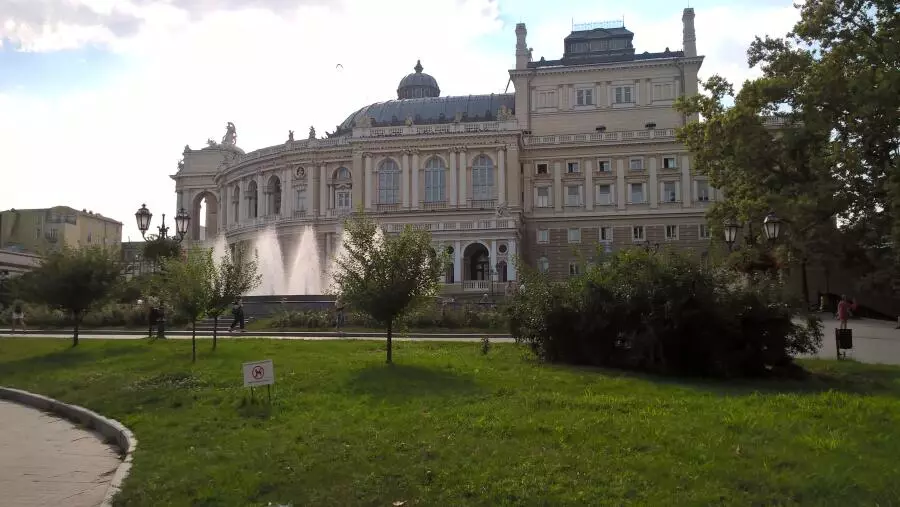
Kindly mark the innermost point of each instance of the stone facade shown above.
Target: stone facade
(43, 230)
(583, 155)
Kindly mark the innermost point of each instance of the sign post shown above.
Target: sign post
(259, 373)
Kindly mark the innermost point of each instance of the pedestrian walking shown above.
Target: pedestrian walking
(237, 312)
(18, 317)
(843, 311)
(339, 312)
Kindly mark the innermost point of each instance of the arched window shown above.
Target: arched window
(252, 200)
(236, 202)
(482, 178)
(342, 173)
(435, 180)
(543, 265)
(273, 196)
(388, 182)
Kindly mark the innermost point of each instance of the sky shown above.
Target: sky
(99, 97)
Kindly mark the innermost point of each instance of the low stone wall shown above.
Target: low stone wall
(111, 429)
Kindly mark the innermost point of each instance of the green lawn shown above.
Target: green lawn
(449, 426)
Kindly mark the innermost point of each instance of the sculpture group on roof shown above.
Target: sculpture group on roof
(230, 137)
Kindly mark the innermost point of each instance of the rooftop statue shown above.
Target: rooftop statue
(290, 135)
(230, 138)
(312, 132)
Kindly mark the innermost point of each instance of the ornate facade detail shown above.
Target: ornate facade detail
(504, 114)
(187, 149)
(409, 121)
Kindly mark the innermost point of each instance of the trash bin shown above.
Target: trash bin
(843, 339)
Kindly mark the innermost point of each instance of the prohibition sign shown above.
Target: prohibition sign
(258, 372)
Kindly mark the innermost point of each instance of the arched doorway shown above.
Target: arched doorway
(204, 217)
(273, 196)
(476, 262)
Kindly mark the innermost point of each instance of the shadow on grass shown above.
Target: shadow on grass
(64, 358)
(848, 377)
(401, 382)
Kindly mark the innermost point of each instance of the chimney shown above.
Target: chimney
(523, 55)
(690, 37)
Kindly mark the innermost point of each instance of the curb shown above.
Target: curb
(109, 428)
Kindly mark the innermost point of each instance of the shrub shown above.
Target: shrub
(661, 312)
(426, 316)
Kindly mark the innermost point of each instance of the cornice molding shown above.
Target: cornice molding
(608, 67)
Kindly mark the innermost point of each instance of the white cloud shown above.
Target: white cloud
(268, 71)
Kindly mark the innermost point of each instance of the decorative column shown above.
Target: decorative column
(653, 191)
(415, 179)
(588, 186)
(621, 191)
(368, 193)
(356, 179)
(501, 163)
(287, 192)
(457, 262)
(492, 265)
(557, 186)
(514, 184)
(243, 212)
(310, 194)
(463, 169)
(454, 180)
(323, 191)
(511, 260)
(404, 178)
(687, 201)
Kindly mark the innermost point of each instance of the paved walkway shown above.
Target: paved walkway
(47, 461)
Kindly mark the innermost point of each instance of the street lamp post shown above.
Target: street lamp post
(771, 226)
(182, 221)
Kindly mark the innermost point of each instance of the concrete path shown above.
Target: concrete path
(47, 461)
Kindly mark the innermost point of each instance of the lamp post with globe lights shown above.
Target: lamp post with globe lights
(771, 226)
(143, 217)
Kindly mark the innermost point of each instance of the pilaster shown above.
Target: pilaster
(367, 157)
(415, 179)
(454, 180)
(653, 191)
(463, 169)
(557, 186)
(502, 185)
(621, 191)
(687, 201)
(588, 186)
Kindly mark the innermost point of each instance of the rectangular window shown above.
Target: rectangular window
(637, 193)
(547, 99)
(670, 191)
(301, 200)
(572, 168)
(543, 169)
(637, 233)
(542, 197)
(702, 190)
(663, 91)
(584, 97)
(604, 195)
(574, 235)
(573, 195)
(636, 164)
(671, 232)
(624, 94)
(704, 231)
(543, 236)
(670, 163)
(606, 234)
(435, 185)
(342, 199)
(574, 269)
(604, 166)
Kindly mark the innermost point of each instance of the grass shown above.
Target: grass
(447, 425)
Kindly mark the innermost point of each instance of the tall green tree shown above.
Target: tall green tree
(831, 85)
(384, 276)
(74, 281)
(233, 276)
(840, 67)
(187, 285)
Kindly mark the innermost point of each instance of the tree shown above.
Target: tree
(834, 80)
(187, 285)
(75, 281)
(385, 275)
(232, 278)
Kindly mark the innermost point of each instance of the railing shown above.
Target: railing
(482, 203)
(443, 128)
(430, 205)
(387, 207)
(299, 213)
(476, 285)
(601, 137)
(340, 212)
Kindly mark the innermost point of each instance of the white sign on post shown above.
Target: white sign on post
(259, 373)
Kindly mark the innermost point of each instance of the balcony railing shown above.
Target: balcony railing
(482, 203)
(602, 137)
(432, 205)
(388, 207)
(443, 128)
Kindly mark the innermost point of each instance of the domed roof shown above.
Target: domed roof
(432, 110)
(418, 85)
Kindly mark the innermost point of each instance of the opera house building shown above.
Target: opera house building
(582, 155)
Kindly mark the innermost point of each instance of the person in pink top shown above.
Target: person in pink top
(843, 311)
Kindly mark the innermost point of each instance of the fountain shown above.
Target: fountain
(306, 270)
(270, 263)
